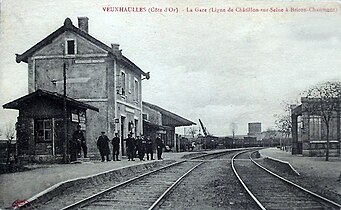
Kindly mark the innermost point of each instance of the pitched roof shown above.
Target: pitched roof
(181, 121)
(20, 102)
(68, 26)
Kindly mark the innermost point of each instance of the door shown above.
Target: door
(123, 136)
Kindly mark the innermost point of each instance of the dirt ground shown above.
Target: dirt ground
(210, 186)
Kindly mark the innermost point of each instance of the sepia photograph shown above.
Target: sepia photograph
(170, 104)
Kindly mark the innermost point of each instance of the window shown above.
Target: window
(136, 90)
(129, 83)
(123, 82)
(70, 47)
(131, 126)
(43, 130)
(315, 128)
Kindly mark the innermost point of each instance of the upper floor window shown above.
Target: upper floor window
(123, 83)
(129, 82)
(70, 47)
(136, 90)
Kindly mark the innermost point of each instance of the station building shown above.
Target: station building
(157, 120)
(309, 132)
(96, 74)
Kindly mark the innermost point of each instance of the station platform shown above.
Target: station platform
(24, 185)
(326, 173)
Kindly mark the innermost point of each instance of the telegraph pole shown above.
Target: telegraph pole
(66, 142)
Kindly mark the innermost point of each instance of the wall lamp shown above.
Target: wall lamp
(147, 76)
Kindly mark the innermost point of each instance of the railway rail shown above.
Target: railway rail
(271, 191)
(139, 191)
(145, 191)
(142, 192)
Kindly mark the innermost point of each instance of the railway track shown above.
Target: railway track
(211, 186)
(133, 192)
(271, 191)
(145, 191)
(142, 192)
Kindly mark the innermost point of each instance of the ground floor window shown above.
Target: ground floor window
(315, 128)
(43, 130)
(318, 130)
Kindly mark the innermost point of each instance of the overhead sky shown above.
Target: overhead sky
(220, 67)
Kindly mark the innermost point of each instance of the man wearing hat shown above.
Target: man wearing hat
(116, 147)
(159, 146)
(130, 143)
(103, 146)
(79, 141)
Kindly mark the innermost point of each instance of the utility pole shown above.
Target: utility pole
(66, 142)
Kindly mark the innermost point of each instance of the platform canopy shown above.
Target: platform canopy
(25, 100)
(169, 118)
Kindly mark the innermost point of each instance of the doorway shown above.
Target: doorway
(122, 135)
(136, 122)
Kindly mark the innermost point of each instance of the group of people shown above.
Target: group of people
(135, 147)
(138, 147)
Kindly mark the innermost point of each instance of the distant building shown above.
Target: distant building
(96, 74)
(255, 130)
(272, 134)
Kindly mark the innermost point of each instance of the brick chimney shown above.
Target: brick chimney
(116, 50)
(83, 24)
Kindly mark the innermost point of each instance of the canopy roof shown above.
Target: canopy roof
(176, 119)
(23, 101)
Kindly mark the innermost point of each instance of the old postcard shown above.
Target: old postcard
(88, 87)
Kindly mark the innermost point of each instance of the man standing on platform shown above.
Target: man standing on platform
(159, 147)
(130, 142)
(79, 138)
(140, 147)
(77, 142)
(116, 147)
(149, 148)
(103, 146)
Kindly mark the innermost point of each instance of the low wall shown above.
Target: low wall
(106, 176)
(282, 166)
(319, 149)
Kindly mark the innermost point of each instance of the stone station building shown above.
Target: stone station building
(96, 74)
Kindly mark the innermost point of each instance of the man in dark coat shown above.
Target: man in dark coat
(103, 146)
(159, 147)
(130, 143)
(116, 147)
(78, 138)
(140, 147)
(149, 148)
